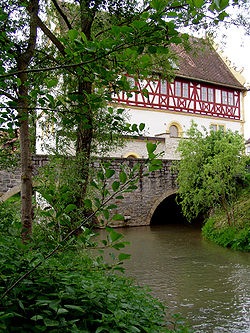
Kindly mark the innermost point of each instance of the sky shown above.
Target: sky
(236, 46)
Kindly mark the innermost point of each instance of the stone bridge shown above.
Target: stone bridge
(138, 206)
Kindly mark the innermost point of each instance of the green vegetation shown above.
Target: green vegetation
(208, 172)
(72, 291)
(212, 176)
(237, 236)
(58, 281)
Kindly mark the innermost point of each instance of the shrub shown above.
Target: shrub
(72, 292)
(227, 236)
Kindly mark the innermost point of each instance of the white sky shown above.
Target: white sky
(236, 46)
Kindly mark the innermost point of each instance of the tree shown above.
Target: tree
(103, 42)
(19, 53)
(208, 170)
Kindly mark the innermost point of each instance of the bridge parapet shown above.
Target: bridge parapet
(137, 206)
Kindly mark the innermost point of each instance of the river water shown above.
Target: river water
(207, 284)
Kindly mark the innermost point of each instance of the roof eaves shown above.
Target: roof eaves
(240, 87)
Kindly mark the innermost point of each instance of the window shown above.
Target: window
(210, 95)
(181, 89)
(163, 87)
(185, 90)
(217, 127)
(230, 98)
(177, 88)
(224, 97)
(131, 82)
(173, 131)
(203, 94)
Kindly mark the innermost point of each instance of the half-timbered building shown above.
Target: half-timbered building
(205, 90)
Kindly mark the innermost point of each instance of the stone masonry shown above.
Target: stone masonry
(137, 206)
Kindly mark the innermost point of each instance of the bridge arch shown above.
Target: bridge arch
(156, 203)
(14, 190)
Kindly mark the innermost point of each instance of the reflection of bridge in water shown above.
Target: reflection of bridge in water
(138, 206)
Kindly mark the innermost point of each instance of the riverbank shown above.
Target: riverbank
(236, 236)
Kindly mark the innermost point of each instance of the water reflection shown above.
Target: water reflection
(207, 284)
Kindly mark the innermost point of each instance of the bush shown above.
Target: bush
(71, 295)
(10, 214)
(72, 292)
(227, 236)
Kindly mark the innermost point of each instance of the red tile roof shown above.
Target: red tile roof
(203, 63)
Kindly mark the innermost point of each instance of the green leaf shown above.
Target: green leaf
(62, 310)
(52, 83)
(73, 34)
(134, 128)
(223, 4)
(145, 15)
(151, 147)
(115, 186)
(115, 235)
(93, 183)
(120, 197)
(198, 3)
(18, 81)
(120, 245)
(37, 317)
(109, 173)
(84, 38)
(124, 256)
(74, 307)
(122, 177)
(87, 203)
(118, 217)
(70, 207)
(112, 206)
(50, 323)
(105, 214)
(141, 126)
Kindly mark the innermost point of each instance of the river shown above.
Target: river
(205, 283)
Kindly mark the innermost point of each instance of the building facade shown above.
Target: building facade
(206, 90)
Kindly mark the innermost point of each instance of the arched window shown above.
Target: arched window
(131, 155)
(173, 131)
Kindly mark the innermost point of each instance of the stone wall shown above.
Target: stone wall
(12, 178)
(137, 206)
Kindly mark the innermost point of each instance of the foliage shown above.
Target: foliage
(237, 237)
(73, 292)
(208, 170)
(9, 149)
(59, 183)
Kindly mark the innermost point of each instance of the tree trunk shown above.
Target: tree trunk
(84, 140)
(85, 133)
(23, 61)
(26, 162)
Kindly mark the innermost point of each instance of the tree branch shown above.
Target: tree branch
(2, 92)
(62, 14)
(51, 36)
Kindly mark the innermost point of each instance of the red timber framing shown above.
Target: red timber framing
(184, 96)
